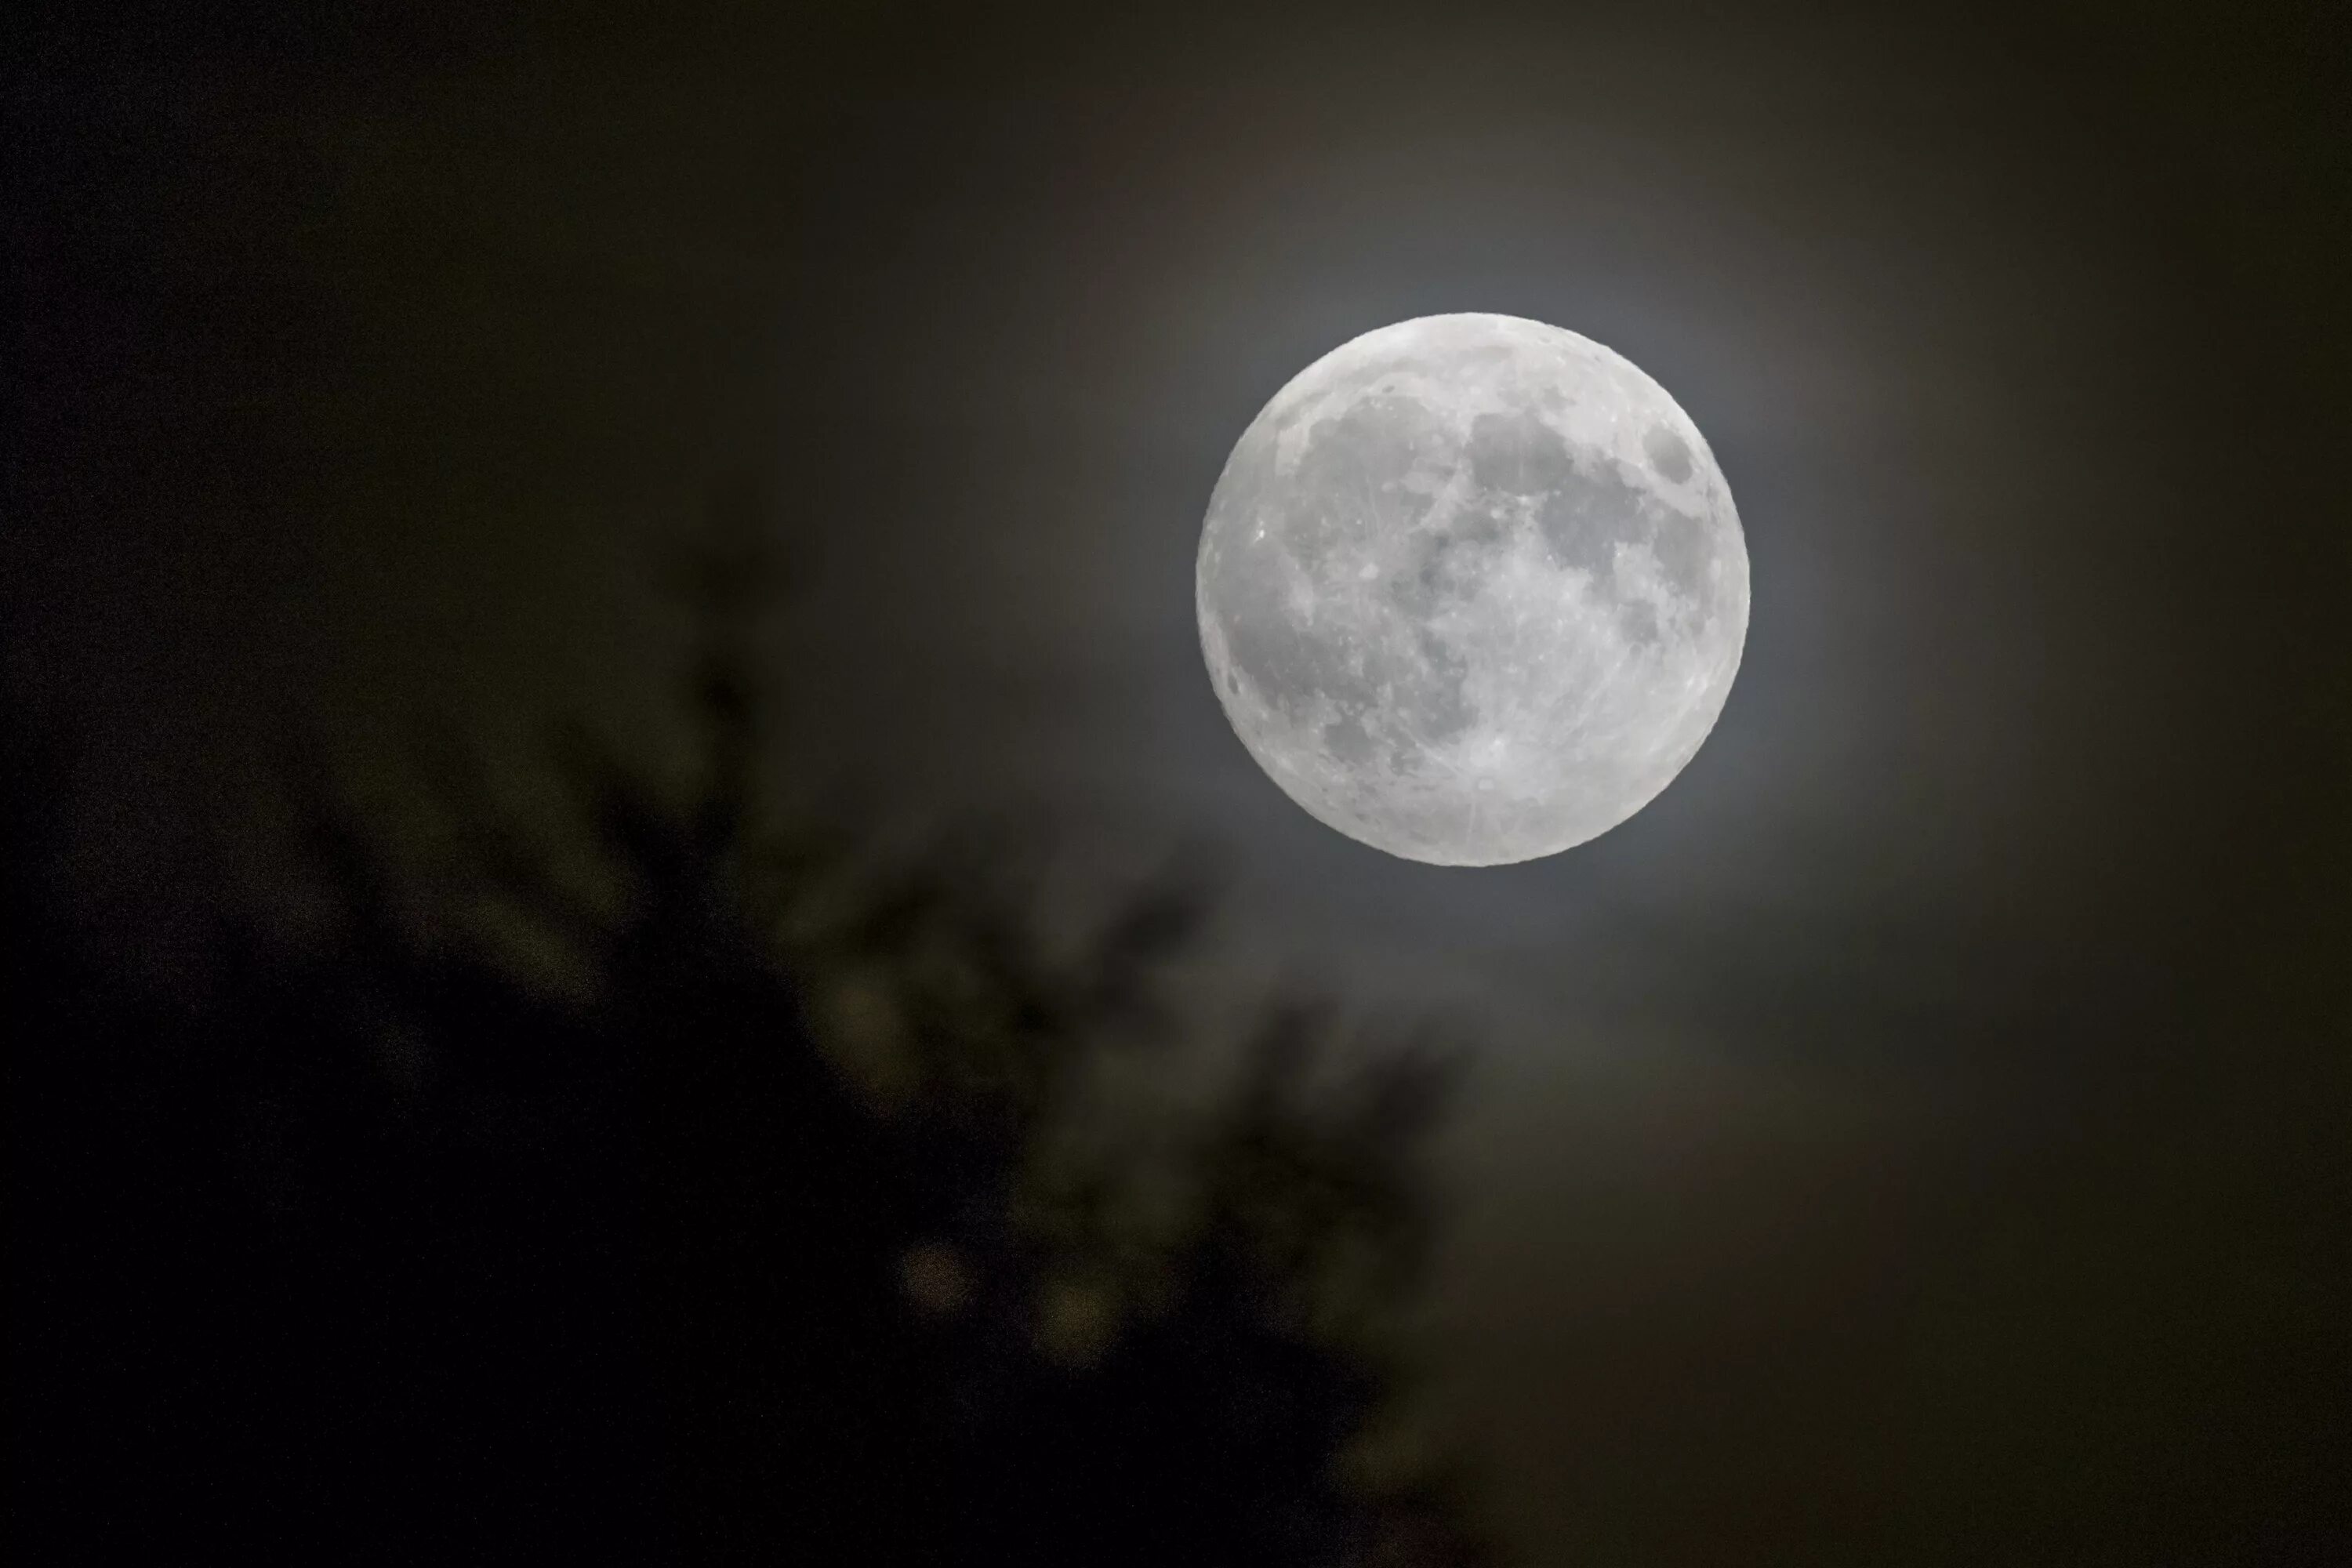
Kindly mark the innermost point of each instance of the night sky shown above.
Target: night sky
(1919, 1135)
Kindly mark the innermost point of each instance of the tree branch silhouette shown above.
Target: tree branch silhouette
(803, 1230)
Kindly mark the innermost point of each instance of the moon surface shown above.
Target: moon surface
(1471, 589)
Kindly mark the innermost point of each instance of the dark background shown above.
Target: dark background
(1919, 1135)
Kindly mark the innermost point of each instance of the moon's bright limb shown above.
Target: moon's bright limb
(1471, 589)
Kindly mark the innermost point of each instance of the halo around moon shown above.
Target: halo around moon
(1471, 589)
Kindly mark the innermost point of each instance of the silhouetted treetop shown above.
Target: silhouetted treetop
(822, 1216)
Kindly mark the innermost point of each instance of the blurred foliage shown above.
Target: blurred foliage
(807, 1219)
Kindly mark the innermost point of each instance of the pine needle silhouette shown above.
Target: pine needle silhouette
(803, 1228)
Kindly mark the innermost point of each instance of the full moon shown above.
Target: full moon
(1472, 590)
